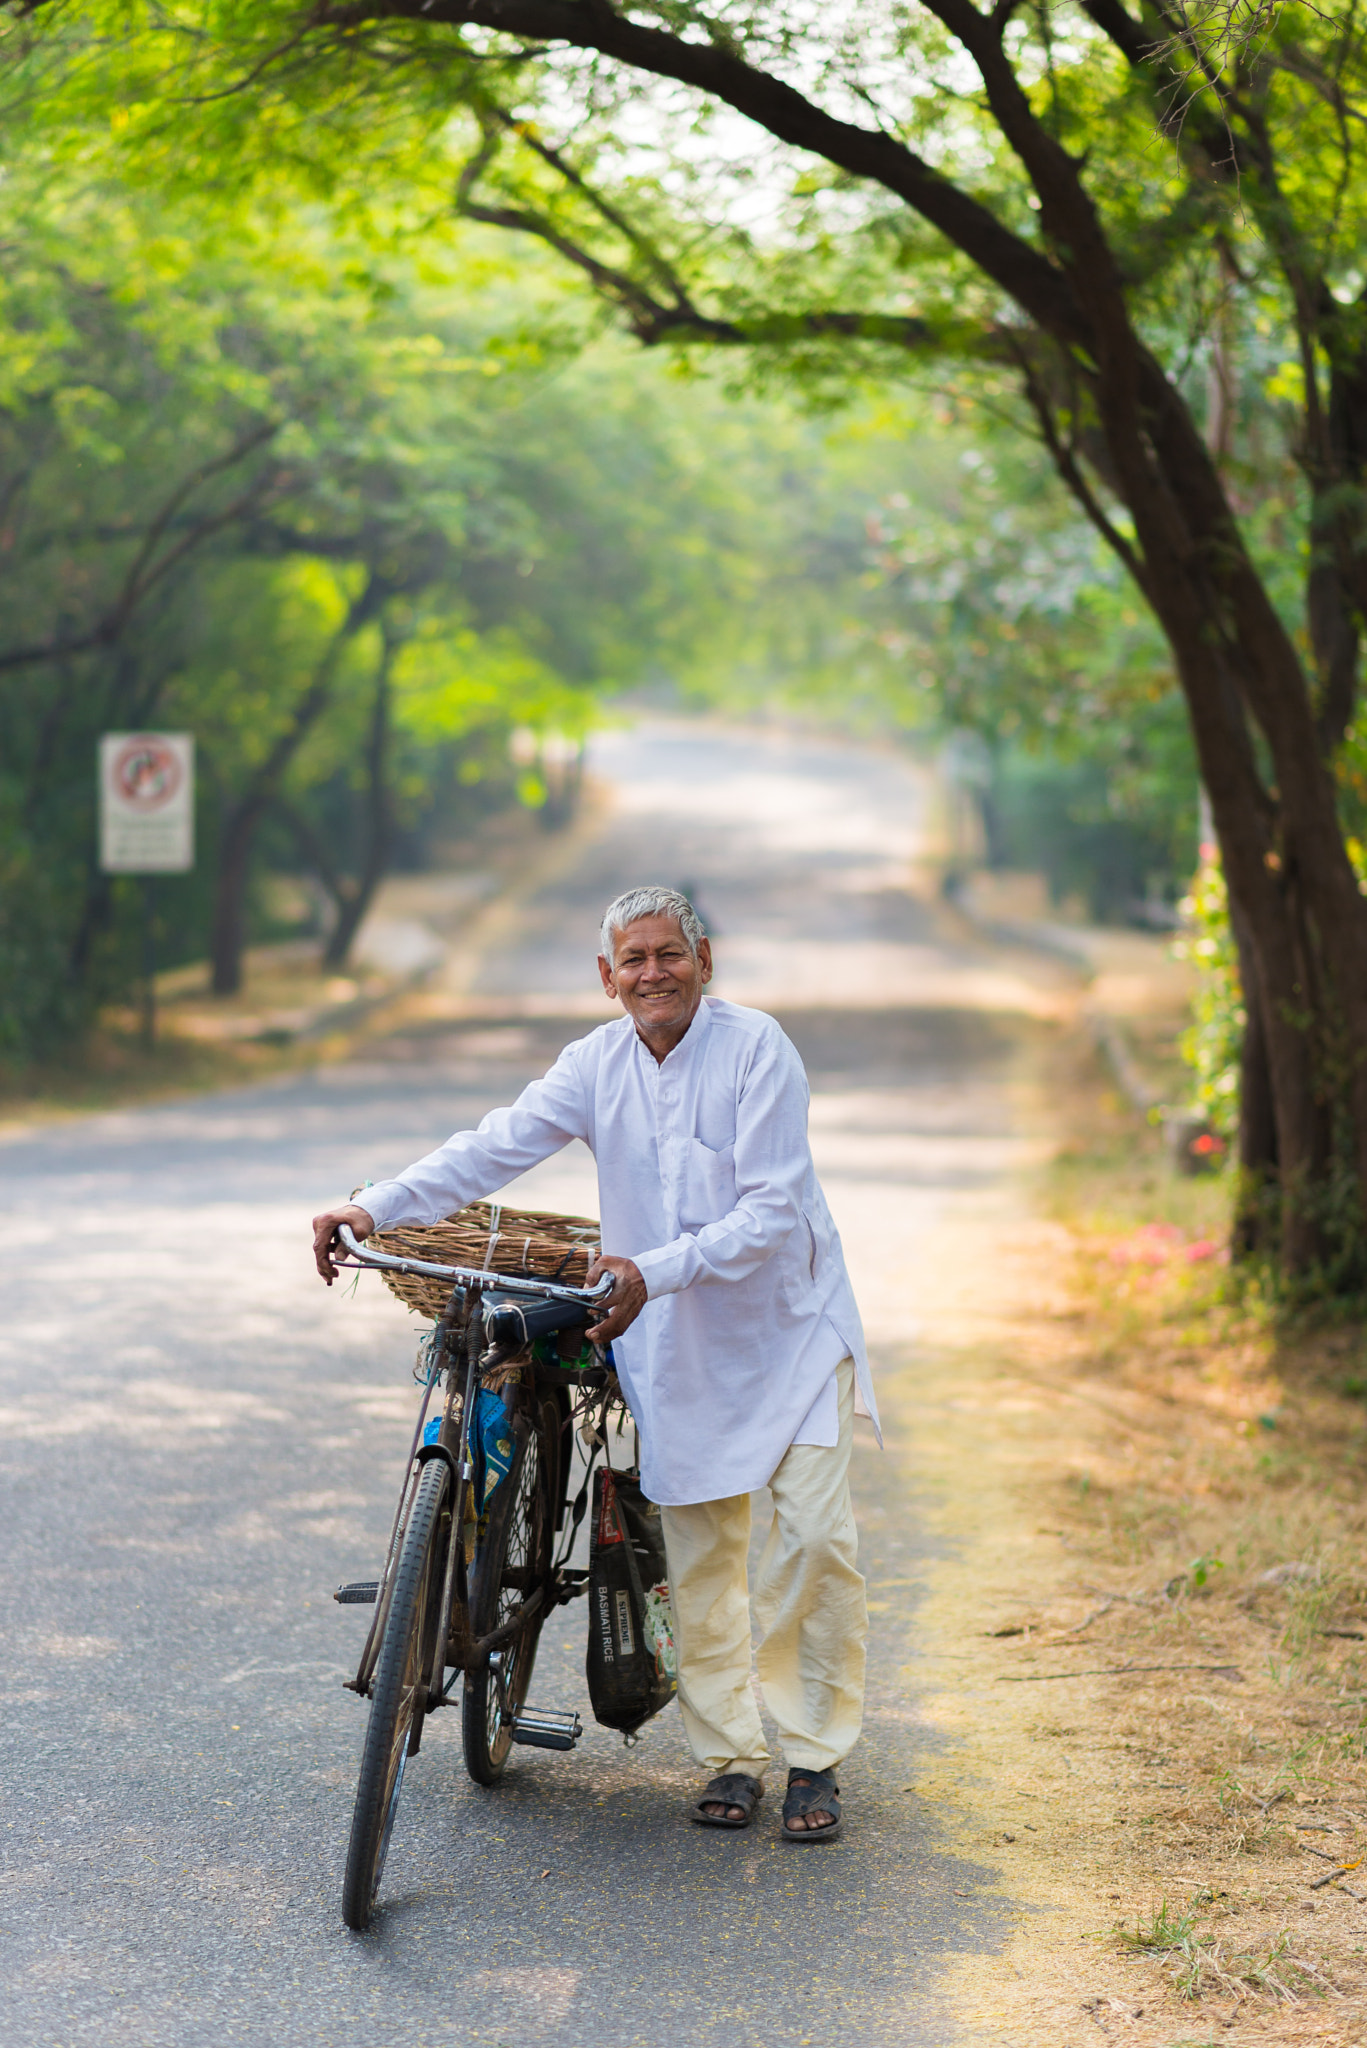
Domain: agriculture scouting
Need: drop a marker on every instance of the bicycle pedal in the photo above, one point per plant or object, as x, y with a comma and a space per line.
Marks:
363, 1593
542, 1728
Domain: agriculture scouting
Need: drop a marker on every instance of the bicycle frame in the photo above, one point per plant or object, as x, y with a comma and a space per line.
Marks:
474, 1280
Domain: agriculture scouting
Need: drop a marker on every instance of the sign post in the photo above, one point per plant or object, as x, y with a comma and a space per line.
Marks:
147, 827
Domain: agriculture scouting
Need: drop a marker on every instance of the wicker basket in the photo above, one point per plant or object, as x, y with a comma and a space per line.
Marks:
486, 1235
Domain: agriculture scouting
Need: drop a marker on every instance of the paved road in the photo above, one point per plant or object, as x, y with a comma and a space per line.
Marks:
198, 1444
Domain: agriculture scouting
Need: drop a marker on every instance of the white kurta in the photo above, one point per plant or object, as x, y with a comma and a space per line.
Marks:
705, 1179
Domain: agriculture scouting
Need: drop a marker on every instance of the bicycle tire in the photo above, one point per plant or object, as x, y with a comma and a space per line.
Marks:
398, 1704
512, 1560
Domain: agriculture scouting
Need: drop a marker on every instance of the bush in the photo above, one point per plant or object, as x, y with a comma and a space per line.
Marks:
41, 1004
1211, 1044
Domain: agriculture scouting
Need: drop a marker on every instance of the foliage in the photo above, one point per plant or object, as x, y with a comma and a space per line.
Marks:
270, 475
1210, 1046
1014, 623
1142, 241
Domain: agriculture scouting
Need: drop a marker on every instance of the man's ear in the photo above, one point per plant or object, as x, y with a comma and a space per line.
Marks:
609, 984
705, 959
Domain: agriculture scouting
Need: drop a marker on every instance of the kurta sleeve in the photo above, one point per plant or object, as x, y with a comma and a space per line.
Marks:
547, 1115
771, 1162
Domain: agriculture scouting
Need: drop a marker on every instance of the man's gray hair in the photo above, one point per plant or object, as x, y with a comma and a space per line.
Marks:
650, 900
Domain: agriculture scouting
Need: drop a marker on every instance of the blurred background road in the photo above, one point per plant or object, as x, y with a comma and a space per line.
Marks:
199, 1443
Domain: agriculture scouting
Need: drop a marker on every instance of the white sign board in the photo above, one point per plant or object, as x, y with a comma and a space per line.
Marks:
147, 803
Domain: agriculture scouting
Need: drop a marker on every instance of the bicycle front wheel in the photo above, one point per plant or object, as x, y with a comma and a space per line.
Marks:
513, 1560
398, 1699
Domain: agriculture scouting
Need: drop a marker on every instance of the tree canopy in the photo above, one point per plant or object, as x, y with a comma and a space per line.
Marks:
1132, 234
1090, 205
352, 507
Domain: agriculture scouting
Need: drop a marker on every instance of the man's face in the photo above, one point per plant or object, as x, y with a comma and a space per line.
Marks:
657, 979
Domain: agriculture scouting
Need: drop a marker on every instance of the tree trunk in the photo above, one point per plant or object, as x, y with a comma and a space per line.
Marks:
229, 933
243, 817
316, 857
1256, 1153
379, 821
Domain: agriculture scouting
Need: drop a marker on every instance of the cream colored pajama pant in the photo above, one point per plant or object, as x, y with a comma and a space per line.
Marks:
809, 1604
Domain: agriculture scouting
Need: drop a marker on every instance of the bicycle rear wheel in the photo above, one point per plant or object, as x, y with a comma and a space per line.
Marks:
398, 1699
511, 1562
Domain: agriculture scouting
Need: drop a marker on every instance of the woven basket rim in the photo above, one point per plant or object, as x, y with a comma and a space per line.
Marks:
491, 1237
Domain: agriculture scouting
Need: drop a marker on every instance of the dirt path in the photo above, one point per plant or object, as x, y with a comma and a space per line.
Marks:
1142, 1638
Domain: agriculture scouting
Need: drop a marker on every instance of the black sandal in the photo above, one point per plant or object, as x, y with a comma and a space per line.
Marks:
811, 1792
732, 1788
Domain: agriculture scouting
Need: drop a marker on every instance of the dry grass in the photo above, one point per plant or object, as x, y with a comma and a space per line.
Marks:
112, 1069
1154, 1644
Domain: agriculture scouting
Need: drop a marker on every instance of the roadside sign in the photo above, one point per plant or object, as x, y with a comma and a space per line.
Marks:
147, 803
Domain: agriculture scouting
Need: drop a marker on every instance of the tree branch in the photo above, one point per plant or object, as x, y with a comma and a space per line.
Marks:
653, 320
147, 570
1066, 463
573, 177
314, 851
1024, 273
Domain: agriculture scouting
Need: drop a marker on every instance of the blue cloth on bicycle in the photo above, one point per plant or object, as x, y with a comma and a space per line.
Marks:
492, 1442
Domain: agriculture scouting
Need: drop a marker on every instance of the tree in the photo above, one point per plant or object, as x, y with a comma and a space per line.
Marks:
351, 504
222, 472
1104, 160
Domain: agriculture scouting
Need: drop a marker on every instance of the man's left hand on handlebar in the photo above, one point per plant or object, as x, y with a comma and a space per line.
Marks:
627, 1299
326, 1247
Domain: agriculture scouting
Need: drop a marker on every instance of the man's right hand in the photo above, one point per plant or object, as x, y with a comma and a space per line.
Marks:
624, 1304
325, 1229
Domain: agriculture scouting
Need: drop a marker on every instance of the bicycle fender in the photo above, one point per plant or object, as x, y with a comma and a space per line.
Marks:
431, 1451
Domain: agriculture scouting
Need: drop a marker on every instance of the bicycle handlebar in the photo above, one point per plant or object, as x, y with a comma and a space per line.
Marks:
514, 1283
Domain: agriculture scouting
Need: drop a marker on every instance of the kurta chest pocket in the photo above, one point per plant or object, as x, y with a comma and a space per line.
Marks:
707, 1184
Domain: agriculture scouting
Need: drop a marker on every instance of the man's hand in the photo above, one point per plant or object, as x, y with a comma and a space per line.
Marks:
325, 1229
627, 1299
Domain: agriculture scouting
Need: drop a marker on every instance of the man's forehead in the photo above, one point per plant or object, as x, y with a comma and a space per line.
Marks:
656, 929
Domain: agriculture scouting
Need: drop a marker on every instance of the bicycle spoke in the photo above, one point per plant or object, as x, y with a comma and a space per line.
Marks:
513, 1563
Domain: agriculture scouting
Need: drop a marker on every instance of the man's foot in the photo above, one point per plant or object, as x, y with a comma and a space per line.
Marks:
728, 1801
811, 1808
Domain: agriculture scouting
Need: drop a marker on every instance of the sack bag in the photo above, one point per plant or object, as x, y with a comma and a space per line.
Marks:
632, 1667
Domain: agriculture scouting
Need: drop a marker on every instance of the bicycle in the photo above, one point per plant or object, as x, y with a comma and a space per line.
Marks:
470, 1577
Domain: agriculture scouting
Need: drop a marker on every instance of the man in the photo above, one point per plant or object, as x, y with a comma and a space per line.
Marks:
734, 1331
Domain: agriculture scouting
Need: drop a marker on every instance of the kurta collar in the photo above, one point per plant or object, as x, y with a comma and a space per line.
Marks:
683, 1051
